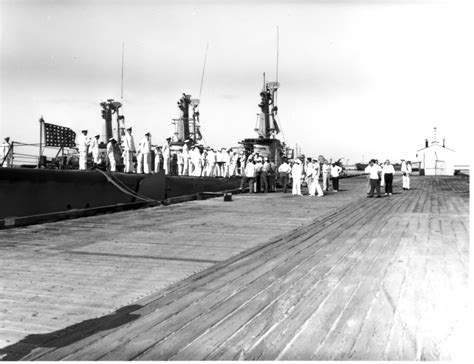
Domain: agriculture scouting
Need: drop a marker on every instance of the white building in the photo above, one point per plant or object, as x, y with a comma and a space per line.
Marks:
436, 159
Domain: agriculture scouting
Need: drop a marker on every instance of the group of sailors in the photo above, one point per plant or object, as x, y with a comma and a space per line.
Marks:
200, 161
190, 160
380, 175
260, 175
113, 152
259, 172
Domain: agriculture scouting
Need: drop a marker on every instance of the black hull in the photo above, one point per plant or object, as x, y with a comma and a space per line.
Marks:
26, 192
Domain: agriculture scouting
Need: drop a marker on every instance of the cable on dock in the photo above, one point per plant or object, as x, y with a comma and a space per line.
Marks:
125, 189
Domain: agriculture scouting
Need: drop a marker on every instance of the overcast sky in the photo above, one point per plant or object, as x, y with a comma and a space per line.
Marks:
359, 79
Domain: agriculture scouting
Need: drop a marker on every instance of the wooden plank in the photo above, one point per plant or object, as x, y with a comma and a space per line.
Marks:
312, 294
307, 343
213, 282
369, 341
338, 342
209, 289
163, 352
305, 276
404, 341
341, 275
275, 290
448, 305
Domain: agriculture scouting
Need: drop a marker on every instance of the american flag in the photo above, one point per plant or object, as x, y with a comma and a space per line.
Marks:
59, 136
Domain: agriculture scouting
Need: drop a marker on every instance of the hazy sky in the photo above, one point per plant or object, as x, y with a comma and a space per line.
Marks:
359, 79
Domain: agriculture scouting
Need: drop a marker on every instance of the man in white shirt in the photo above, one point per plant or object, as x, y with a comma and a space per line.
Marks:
264, 172
258, 172
375, 172
241, 162
284, 171
249, 175
129, 150
83, 146
335, 170
387, 172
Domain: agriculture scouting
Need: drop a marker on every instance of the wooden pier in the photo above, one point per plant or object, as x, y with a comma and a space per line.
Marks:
265, 276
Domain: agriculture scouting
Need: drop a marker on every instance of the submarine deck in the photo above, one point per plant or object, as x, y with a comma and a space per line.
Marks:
265, 276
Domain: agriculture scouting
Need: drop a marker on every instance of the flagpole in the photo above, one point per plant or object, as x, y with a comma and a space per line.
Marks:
41, 141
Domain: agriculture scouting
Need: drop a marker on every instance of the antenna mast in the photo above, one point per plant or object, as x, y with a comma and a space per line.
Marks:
121, 89
203, 69
278, 51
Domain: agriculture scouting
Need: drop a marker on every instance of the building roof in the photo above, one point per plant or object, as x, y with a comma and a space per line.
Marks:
433, 145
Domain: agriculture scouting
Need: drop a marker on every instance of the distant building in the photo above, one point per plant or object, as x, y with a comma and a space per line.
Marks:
435, 159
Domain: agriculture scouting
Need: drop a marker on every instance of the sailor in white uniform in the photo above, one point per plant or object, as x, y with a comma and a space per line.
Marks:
211, 161
326, 174
111, 154
83, 143
226, 157
95, 150
317, 172
406, 170
196, 160
233, 163
129, 150
310, 172
166, 155
186, 157
157, 151
144, 154
296, 173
